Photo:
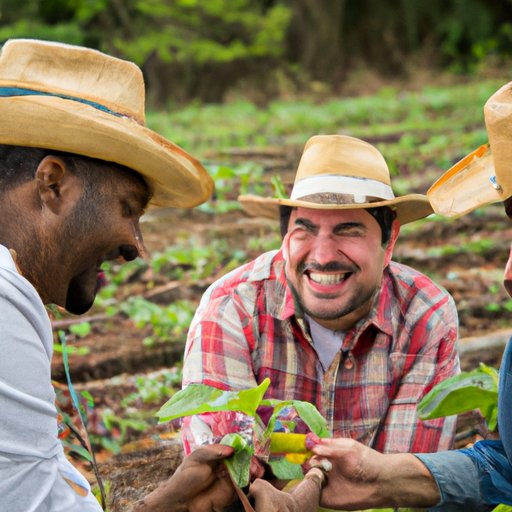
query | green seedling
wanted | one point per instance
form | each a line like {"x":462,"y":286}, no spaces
{"x":199,"y":398}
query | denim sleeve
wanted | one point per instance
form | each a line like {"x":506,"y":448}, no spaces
{"x":473,"y":479}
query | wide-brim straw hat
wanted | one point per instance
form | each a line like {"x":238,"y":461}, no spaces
{"x":341,"y":172}
{"x":79,"y":100}
{"x":484,"y":176}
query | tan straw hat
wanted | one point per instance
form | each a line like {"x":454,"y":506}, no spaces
{"x":485,"y":175}
{"x":341,"y":172}
{"x":81,"y":101}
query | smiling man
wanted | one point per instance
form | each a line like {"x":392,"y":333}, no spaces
{"x":329,"y":318}
{"x":77,"y":169}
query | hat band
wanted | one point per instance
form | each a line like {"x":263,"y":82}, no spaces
{"x":359,"y":188}
{"x":9,"y":92}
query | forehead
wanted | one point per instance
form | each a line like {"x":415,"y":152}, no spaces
{"x":331,"y":217}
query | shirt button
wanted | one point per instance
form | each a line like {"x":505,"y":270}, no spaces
{"x":348,"y":363}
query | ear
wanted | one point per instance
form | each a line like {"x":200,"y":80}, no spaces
{"x":395,"y":230}
{"x":58,"y":189}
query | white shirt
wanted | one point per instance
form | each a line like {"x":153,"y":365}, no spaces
{"x":32,"y":459}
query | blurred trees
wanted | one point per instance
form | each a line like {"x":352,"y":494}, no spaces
{"x":201,"y":48}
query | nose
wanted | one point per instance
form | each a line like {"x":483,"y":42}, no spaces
{"x":325,"y":250}
{"x":139,"y":242}
{"x":507,"y":281}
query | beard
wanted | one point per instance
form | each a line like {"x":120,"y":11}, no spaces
{"x":327,"y":311}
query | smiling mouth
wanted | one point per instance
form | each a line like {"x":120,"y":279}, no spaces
{"x":328,"y":279}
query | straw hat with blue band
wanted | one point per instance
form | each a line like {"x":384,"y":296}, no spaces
{"x":78,"y":100}
{"x":341,"y":172}
{"x":485,"y":175}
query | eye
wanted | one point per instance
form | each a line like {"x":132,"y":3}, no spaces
{"x":128,"y":210}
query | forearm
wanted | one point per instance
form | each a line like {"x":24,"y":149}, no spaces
{"x":404,"y":481}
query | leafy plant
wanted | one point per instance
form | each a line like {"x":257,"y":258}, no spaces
{"x":166,"y":322}
{"x":199,"y":399}
{"x":477,"y":389}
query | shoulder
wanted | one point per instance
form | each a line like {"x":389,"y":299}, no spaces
{"x":416,"y":290}
{"x":248,"y":276}
{"x":21,"y":307}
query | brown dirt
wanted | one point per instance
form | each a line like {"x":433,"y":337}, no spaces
{"x":117,"y":356}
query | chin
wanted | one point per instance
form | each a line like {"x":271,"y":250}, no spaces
{"x":79,"y":298}
{"x":78,"y":306}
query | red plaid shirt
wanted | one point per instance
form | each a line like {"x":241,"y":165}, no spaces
{"x":247,"y":328}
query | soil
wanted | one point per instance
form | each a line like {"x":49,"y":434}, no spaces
{"x":466,"y":256}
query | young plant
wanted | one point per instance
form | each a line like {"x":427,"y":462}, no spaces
{"x":477,"y":389}
{"x":200,"y":399}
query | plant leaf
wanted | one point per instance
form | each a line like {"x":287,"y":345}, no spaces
{"x":477,"y":389}
{"x":285,"y":470}
{"x":307,"y":412}
{"x":200,"y":398}
{"x":239,"y":464}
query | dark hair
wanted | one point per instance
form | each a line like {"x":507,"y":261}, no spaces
{"x":384,"y":216}
{"x":18,"y":165}
{"x":508,"y":207}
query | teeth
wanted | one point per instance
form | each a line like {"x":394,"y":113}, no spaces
{"x":327,"y":278}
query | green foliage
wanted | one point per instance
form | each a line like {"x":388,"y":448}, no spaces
{"x":154,"y":389}
{"x":229,"y":183}
{"x":400,"y":125}
{"x":81,"y":329}
{"x":204,"y":32}
{"x":167,"y":322}
{"x":199,"y":398}
{"x":477,"y":389}
{"x":119,"y":428}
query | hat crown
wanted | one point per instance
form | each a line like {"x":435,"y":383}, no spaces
{"x":342,"y":155}
{"x":58,"y":68}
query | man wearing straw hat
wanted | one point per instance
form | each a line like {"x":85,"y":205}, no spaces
{"x":77,"y":169}
{"x":471,"y":479}
{"x":329,"y":318}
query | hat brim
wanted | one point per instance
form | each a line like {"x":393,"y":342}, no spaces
{"x":408,"y":208}
{"x":468,"y":185}
{"x":175,"y":178}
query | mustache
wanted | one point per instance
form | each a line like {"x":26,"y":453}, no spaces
{"x":332,"y":266}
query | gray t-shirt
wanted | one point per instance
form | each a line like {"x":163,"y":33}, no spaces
{"x":33,"y":466}
{"x":327,"y":342}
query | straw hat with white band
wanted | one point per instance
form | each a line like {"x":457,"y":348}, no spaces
{"x":485,"y":175}
{"x":82,"y":101}
{"x":341,"y":172}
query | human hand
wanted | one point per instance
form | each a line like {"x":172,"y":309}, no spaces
{"x":354,"y":473}
{"x":305,"y":497}
{"x":362,"y":478}
{"x":200,"y":484}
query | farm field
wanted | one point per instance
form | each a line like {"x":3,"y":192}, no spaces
{"x":125,"y":355}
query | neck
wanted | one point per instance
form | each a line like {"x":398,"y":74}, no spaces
{"x":19,"y":233}
{"x":345,"y":322}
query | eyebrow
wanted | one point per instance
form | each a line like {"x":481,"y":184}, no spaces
{"x":342,"y":226}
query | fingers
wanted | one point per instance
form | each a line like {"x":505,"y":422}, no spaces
{"x":308,"y":492}
{"x":210,"y":454}
{"x":215,"y":499}
{"x":329,"y":447}
{"x":269,"y":499}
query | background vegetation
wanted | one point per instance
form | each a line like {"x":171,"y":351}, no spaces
{"x":207,"y":50}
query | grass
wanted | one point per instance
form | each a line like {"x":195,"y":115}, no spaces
{"x":436,"y":120}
